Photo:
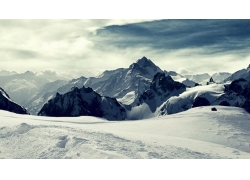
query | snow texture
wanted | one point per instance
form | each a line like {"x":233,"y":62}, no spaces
{"x":198,"y":133}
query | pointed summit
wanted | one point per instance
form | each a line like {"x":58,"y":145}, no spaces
{"x":144,"y":62}
{"x":148,"y":65}
{"x":211,"y":80}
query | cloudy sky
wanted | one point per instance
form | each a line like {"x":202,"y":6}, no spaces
{"x":186,"y":46}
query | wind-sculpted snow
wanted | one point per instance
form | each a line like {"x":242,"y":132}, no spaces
{"x":185,"y":100}
{"x":64,"y":142}
{"x":236,"y":94}
{"x":198,"y":133}
{"x":8,"y":105}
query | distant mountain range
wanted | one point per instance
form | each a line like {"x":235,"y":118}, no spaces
{"x":140,"y":91}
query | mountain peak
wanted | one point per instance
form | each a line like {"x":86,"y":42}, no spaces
{"x":248,"y":66}
{"x":144,"y":62}
{"x":147,"y":65}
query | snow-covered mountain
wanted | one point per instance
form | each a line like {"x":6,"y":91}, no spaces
{"x":243,"y":73}
{"x":221,"y":76}
{"x":22,"y":86}
{"x":132,"y":81}
{"x":162,"y":88}
{"x":49,"y":90}
{"x":125,"y":84}
{"x":46,"y":92}
{"x":51,"y":75}
{"x":199,"y":78}
{"x":83,"y":102}
{"x":98,"y":81}
{"x":8,"y":105}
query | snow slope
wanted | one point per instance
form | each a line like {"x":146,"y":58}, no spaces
{"x":243,"y":73}
{"x":196,"y":133}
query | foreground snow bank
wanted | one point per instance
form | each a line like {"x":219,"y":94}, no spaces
{"x":196,"y":133}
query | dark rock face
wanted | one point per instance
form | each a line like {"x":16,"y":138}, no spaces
{"x":240,"y":86}
{"x":161,"y":88}
{"x":211,"y":80}
{"x":165,"y":83}
{"x":246,"y":106}
{"x":83,"y":102}
{"x":224,"y":103}
{"x":236,"y":94}
{"x":8,"y":105}
{"x":201,"y":101}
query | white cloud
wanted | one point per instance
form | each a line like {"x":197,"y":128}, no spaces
{"x":184,"y":71}
{"x":64,"y":45}
{"x":58,"y":44}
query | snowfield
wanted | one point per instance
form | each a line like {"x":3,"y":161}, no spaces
{"x":196,"y":133}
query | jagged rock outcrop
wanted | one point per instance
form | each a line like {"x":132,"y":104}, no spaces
{"x":236,"y":94}
{"x":161,"y":88}
{"x":8,"y":105}
{"x":83,"y":102}
{"x":211,"y":81}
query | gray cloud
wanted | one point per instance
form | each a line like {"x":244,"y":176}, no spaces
{"x":78,"y":45}
{"x":217,"y":35}
{"x":19,"y":53}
